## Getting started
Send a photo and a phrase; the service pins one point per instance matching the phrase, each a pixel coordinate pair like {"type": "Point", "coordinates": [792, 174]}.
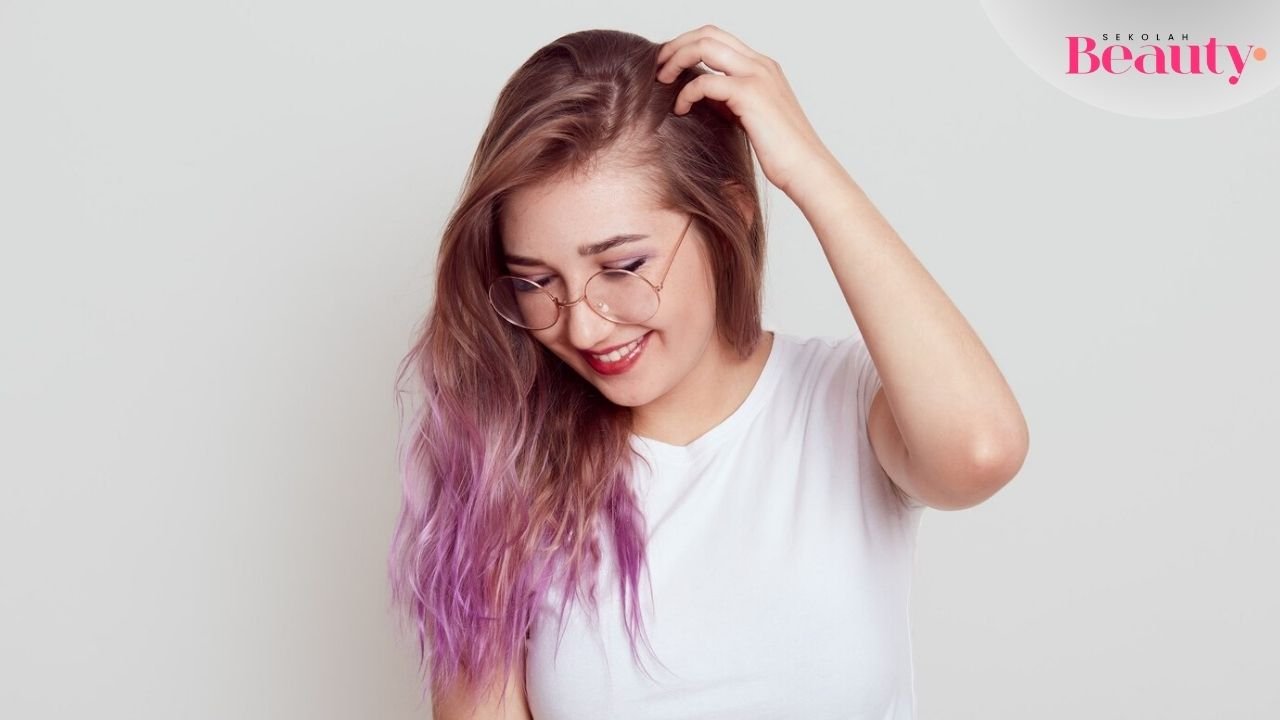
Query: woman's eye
{"type": "Point", "coordinates": [632, 267]}
{"type": "Point", "coordinates": [540, 282]}
{"type": "Point", "coordinates": [635, 265]}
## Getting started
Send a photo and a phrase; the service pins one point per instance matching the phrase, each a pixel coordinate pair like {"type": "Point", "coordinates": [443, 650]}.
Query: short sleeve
{"type": "Point", "coordinates": [865, 377]}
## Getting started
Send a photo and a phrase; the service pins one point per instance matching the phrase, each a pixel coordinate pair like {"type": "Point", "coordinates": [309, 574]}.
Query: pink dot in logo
{"type": "Point", "coordinates": [1259, 53]}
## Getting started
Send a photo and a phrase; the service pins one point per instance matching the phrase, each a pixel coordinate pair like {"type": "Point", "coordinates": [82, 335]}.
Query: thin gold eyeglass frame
{"type": "Point", "coordinates": [657, 289]}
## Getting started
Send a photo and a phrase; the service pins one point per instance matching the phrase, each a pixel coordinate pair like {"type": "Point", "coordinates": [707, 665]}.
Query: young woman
{"type": "Point", "coordinates": [611, 449]}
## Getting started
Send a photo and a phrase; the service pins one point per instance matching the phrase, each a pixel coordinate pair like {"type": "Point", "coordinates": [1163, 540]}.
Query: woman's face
{"type": "Point", "coordinates": [543, 228]}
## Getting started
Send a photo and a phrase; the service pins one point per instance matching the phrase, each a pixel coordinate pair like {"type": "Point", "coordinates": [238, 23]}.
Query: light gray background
{"type": "Point", "coordinates": [218, 226]}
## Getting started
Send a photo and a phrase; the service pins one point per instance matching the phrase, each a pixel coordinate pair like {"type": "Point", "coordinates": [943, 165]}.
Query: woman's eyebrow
{"type": "Point", "coordinates": [584, 250]}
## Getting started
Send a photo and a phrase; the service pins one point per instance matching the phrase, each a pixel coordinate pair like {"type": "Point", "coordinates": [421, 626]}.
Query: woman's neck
{"type": "Point", "coordinates": [708, 395]}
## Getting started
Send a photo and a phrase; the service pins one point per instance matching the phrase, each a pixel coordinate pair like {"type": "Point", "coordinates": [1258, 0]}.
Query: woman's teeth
{"type": "Point", "coordinates": [621, 352]}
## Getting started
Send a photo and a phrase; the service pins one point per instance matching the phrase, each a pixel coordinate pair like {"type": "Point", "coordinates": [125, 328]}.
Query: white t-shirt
{"type": "Point", "coordinates": [779, 562]}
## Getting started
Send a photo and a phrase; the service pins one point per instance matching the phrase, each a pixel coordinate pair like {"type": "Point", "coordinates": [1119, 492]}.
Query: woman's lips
{"type": "Point", "coordinates": [616, 368]}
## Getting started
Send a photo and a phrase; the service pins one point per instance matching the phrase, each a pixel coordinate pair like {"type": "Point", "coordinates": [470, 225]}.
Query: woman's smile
{"type": "Point", "coordinates": [619, 360]}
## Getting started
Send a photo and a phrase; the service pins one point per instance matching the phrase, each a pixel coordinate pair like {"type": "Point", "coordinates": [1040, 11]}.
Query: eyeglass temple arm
{"type": "Point", "coordinates": [672, 260]}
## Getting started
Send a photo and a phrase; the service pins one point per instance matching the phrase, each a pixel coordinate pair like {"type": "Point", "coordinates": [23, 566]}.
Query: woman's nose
{"type": "Point", "coordinates": [586, 328]}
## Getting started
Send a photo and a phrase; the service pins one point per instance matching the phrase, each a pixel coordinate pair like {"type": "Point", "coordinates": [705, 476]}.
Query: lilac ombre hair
{"type": "Point", "coordinates": [513, 463]}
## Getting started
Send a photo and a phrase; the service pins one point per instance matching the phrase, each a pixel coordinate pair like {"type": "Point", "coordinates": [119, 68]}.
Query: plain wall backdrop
{"type": "Point", "coordinates": [219, 225]}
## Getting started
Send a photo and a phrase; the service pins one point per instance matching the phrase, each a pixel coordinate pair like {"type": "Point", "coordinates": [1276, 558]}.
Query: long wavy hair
{"type": "Point", "coordinates": [513, 463]}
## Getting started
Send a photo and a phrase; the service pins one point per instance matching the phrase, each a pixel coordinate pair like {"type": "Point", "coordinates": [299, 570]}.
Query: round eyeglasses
{"type": "Point", "coordinates": [617, 295]}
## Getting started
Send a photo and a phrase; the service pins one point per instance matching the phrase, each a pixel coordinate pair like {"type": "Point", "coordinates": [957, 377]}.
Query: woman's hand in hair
{"type": "Point", "coordinates": [755, 91]}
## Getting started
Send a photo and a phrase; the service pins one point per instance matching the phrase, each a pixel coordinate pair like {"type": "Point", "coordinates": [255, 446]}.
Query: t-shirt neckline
{"type": "Point", "coordinates": [713, 438]}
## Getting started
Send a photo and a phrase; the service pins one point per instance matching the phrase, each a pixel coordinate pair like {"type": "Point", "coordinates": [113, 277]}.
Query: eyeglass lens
{"type": "Point", "coordinates": [615, 294]}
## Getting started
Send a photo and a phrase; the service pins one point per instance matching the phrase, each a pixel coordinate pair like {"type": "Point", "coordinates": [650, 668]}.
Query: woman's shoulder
{"type": "Point", "coordinates": [824, 376]}
{"type": "Point", "coordinates": [820, 356]}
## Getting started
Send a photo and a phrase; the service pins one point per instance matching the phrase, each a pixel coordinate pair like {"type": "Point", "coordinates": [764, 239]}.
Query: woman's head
{"type": "Point", "coordinates": [520, 446]}
{"type": "Point", "coordinates": [582, 146]}
{"type": "Point", "coordinates": [562, 232]}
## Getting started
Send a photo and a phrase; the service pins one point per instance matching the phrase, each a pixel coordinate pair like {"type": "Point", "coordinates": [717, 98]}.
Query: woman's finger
{"type": "Point", "coordinates": [705, 31]}
{"type": "Point", "coordinates": [716, 87]}
{"type": "Point", "coordinates": [715, 54]}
